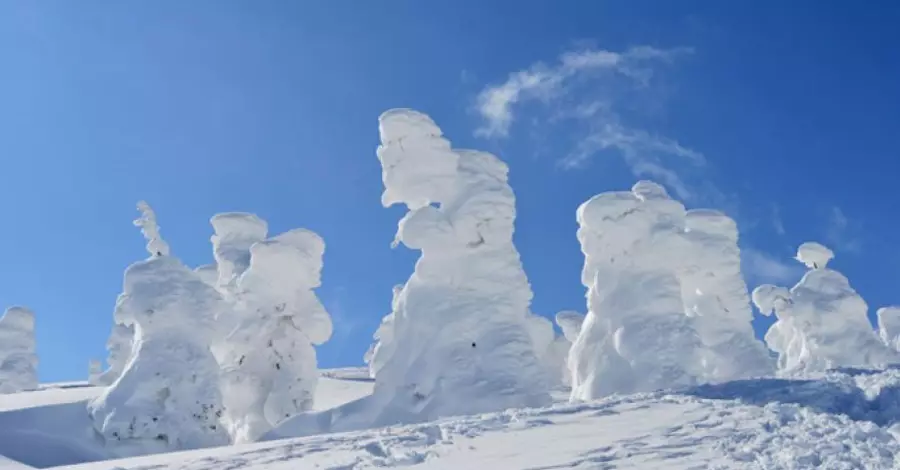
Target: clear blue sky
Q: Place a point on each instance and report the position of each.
(270, 107)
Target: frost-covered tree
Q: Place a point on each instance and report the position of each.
(716, 297)
(570, 323)
(822, 322)
(889, 326)
(460, 340)
(18, 361)
(270, 370)
(95, 370)
(382, 348)
(119, 345)
(235, 233)
(167, 398)
(636, 336)
(150, 229)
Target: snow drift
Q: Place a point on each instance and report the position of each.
(18, 361)
(822, 322)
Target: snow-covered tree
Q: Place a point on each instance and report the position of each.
(95, 370)
(460, 340)
(716, 297)
(889, 326)
(822, 322)
(570, 323)
(150, 229)
(167, 398)
(119, 345)
(18, 361)
(235, 233)
(382, 348)
(636, 336)
(270, 370)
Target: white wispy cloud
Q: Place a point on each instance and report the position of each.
(841, 232)
(604, 74)
(762, 268)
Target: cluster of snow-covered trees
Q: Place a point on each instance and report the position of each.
(225, 352)
(197, 359)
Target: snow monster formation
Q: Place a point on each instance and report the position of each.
(167, 398)
(18, 361)
(636, 336)
(459, 332)
(716, 297)
(119, 345)
(822, 322)
(570, 323)
(269, 363)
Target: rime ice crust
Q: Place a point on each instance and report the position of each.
(18, 361)
(822, 322)
(458, 339)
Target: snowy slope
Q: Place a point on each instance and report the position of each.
(843, 420)
(51, 426)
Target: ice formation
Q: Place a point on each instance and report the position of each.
(167, 398)
(270, 370)
(636, 336)
(570, 323)
(235, 233)
(119, 346)
(716, 297)
(149, 228)
(822, 322)
(459, 339)
(18, 361)
(889, 326)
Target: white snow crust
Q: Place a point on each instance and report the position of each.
(18, 361)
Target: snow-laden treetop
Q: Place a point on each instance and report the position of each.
(156, 246)
(814, 255)
(235, 233)
(415, 178)
(17, 320)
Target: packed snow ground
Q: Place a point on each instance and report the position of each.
(845, 419)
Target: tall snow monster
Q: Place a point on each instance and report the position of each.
(269, 363)
(822, 322)
(167, 398)
(18, 361)
(458, 339)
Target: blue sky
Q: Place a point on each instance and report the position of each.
(785, 116)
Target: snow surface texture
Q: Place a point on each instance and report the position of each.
(889, 326)
(49, 427)
(846, 419)
(822, 322)
(636, 336)
(716, 297)
(270, 370)
(167, 398)
(18, 362)
(459, 339)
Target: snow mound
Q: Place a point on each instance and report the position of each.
(822, 322)
(18, 361)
